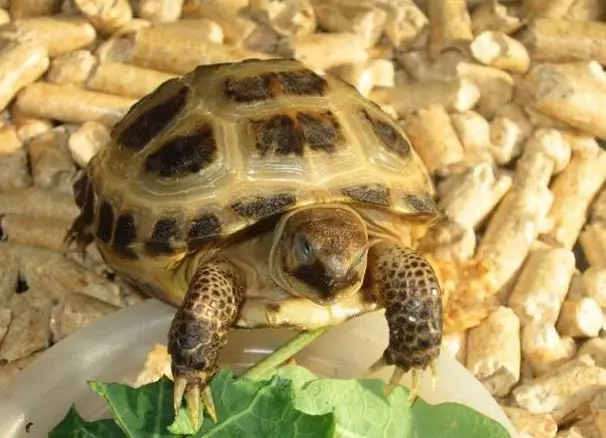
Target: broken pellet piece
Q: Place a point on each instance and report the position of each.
(33, 8)
(358, 75)
(107, 16)
(226, 13)
(511, 232)
(566, 390)
(364, 19)
(51, 162)
(455, 95)
(71, 68)
(87, 140)
(469, 197)
(492, 15)
(71, 104)
(593, 242)
(573, 93)
(55, 274)
(583, 428)
(125, 80)
(580, 141)
(14, 172)
(586, 10)
(29, 330)
(37, 202)
(4, 17)
(29, 127)
(76, 311)
(474, 133)
(35, 231)
(545, 153)
(405, 23)
(322, 51)
(5, 319)
(449, 240)
(596, 348)
(530, 425)
(542, 285)
(496, 86)
(188, 42)
(546, 8)
(508, 131)
(293, 18)
(598, 207)
(565, 41)
(540, 121)
(449, 25)
(580, 317)
(598, 412)
(436, 141)
(58, 33)
(573, 189)
(543, 349)
(493, 351)
(499, 50)
(160, 11)
(591, 284)
(421, 67)
(21, 63)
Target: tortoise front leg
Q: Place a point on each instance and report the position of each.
(199, 331)
(404, 282)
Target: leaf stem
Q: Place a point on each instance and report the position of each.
(284, 352)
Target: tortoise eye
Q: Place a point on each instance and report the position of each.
(303, 249)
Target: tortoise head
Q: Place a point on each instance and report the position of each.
(320, 252)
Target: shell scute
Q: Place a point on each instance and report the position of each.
(150, 115)
(188, 165)
(262, 206)
(263, 86)
(184, 154)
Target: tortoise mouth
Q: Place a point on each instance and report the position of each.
(326, 284)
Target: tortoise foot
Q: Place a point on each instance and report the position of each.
(199, 332)
(405, 283)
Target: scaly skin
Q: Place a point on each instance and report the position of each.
(404, 282)
(401, 280)
(199, 330)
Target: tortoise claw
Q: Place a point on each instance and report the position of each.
(192, 395)
(397, 375)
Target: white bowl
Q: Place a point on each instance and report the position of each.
(114, 349)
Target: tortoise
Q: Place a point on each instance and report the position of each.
(259, 193)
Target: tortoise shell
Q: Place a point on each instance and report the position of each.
(227, 145)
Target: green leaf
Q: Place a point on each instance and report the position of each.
(182, 425)
(147, 410)
(74, 426)
(452, 420)
(362, 410)
(261, 409)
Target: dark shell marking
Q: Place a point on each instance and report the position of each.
(149, 116)
(84, 197)
(375, 194)
(388, 135)
(282, 134)
(164, 230)
(266, 86)
(106, 222)
(204, 226)
(259, 207)
(184, 154)
(422, 203)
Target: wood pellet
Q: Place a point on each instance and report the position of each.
(503, 100)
